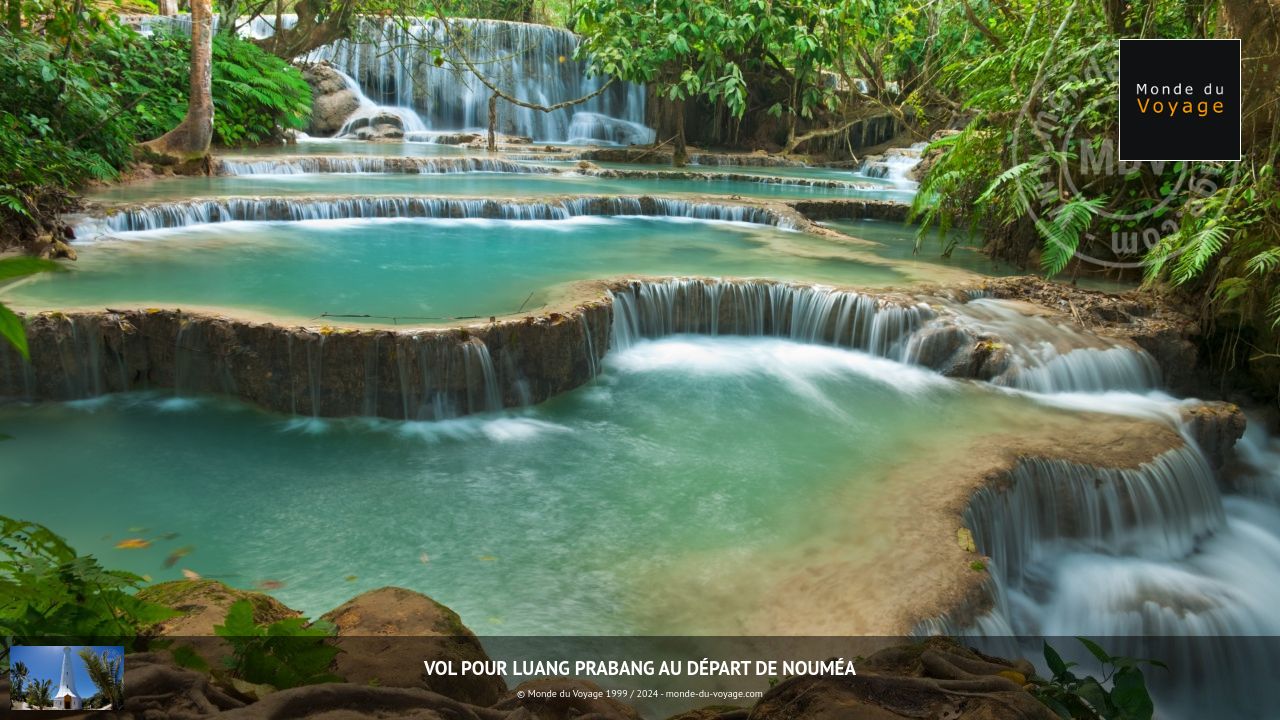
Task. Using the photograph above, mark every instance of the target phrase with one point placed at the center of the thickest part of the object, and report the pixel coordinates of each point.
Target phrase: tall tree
(107, 673)
(190, 139)
(18, 675)
(40, 694)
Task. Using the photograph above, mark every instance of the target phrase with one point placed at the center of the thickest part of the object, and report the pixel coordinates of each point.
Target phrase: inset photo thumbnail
(66, 677)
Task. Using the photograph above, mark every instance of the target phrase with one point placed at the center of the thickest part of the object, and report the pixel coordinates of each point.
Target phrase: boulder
(387, 634)
(544, 699)
(332, 100)
(379, 126)
(1215, 426)
(934, 679)
(202, 604)
(930, 157)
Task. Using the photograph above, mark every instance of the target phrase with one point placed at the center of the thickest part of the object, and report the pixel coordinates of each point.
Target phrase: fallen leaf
(190, 574)
(424, 559)
(352, 578)
(488, 558)
(270, 584)
(177, 555)
(133, 544)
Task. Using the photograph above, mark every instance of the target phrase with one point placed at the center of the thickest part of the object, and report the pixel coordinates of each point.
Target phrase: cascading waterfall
(1154, 561)
(894, 165)
(1046, 356)
(155, 216)
(395, 64)
(804, 313)
(368, 112)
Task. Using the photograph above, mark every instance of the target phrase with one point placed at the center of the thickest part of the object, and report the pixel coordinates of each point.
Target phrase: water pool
(629, 505)
(422, 268)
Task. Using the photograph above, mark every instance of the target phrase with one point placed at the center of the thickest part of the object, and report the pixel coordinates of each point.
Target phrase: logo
(1129, 200)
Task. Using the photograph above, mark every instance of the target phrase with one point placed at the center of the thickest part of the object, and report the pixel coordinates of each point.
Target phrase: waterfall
(1152, 561)
(1085, 370)
(894, 165)
(803, 313)
(306, 165)
(396, 64)
(368, 112)
(1047, 356)
(476, 353)
(1160, 510)
(155, 216)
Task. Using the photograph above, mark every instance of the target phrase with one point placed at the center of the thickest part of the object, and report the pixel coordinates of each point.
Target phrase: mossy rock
(386, 634)
(204, 604)
(201, 605)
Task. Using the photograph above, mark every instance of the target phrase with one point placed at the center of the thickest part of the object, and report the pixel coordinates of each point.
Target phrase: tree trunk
(168, 7)
(190, 140)
(318, 24)
(493, 122)
(680, 155)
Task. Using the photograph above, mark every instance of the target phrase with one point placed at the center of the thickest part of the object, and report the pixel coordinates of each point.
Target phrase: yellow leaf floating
(488, 558)
(190, 574)
(133, 544)
(352, 578)
(965, 539)
(1013, 675)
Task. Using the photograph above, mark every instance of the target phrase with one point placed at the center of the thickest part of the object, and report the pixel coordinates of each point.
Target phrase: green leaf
(1096, 650)
(239, 622)
(21, 266)
(1130, 697)
(13, 330)
(1054, 660)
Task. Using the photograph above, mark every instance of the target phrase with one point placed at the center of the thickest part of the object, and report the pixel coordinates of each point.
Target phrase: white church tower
(67, 698)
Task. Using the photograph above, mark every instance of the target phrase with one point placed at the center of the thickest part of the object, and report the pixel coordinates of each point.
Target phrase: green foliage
(1037, 159)
(107, 672)
(805, 54)
(1088, 698)
(82, 93)
(40, 694)
(11, 327)
(56, 128)
(18, 674)
(287, 653)
(255, 94)
(47, 590)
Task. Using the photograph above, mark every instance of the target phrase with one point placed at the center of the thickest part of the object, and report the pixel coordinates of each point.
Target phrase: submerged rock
(388, 633)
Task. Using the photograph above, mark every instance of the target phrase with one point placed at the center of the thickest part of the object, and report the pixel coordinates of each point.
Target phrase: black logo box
(1194, 65)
